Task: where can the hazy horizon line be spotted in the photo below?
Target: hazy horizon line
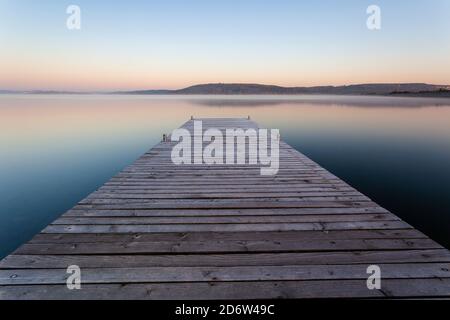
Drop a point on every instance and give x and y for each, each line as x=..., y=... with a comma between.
x=7, y=90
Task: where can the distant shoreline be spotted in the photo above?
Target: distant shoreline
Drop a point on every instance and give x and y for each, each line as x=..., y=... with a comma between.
x=381, y=89
x=424, y=94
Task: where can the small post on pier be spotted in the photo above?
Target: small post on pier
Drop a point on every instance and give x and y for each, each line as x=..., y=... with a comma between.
x=248, y=117
x=192, y=117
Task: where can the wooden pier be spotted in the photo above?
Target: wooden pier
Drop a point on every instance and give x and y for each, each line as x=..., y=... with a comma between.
x=161, y=231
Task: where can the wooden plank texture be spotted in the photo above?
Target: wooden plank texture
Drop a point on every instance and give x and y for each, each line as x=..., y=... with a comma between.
x=163, y=231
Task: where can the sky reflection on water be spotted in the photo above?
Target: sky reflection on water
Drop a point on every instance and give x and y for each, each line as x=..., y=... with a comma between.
x=57, y=149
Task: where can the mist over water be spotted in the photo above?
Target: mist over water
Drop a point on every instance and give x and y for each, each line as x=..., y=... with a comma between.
x=56, y=149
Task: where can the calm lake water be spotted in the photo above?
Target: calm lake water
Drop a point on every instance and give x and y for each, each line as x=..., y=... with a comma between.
x=56, y=149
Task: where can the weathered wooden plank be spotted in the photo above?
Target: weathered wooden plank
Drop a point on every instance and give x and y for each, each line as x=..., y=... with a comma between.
x=143, y=247
x=225, y=227
x=17, y=261
x=102, y=197
x=149, y=183
x=221, y=274
x=222, y=236
x=228, y=219
x=215, y=189
x=220, y=212
x=400, y=288
x=227, y=204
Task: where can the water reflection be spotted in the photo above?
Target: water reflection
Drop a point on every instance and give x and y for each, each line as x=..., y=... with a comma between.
x=57, y=149
x=320, y=100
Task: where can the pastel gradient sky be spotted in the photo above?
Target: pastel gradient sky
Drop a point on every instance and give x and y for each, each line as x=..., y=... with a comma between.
x=177, y=43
